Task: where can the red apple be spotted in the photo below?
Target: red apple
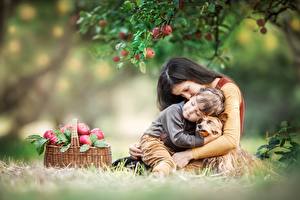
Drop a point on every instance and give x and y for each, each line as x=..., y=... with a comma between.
x=53, y=139
x=260, y=22
x=156, y=33
x=263, y=30
x=137, y=56
x=48, y=134
x=83, y=129
x=167, y=29
x=124, y=53
x=116, y=59
x=66, y=127
x=198, y=35
x=102, y=23
x=85, y=139
x=150, y=53
x=122, y=36
x=98, y=132
x=208, y=36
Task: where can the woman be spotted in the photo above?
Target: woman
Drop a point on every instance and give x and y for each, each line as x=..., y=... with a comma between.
x=180, y=79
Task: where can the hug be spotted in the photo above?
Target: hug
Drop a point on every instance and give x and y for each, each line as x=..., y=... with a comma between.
x=200, y=123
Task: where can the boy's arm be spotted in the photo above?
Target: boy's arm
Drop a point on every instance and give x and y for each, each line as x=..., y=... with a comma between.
x=173, y=122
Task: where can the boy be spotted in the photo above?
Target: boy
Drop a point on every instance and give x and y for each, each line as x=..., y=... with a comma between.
x=175, y=130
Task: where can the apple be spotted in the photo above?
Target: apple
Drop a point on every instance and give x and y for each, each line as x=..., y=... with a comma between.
x=116, y=59
x=66, y=127
x=85, y=139
x=48, y=134
x=124, y=53
x=198, y=35
x=156, y=33
x=83, y=129
x=122, y=36
x=150, y=53
x=208, y=36
x=102, y=23
x=98, y=132
x=53, y=139
x=167, y=29
x=260, y=22
x=137, y=56
x=263, y=30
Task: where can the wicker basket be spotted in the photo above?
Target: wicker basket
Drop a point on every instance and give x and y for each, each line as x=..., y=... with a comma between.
x=95, y=156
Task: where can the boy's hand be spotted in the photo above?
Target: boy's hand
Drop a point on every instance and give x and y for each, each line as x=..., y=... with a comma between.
x=135, y=151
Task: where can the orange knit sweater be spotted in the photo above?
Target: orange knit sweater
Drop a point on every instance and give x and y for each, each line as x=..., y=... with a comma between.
x=233, y=127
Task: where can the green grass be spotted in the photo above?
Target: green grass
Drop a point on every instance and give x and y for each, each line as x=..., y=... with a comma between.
x=30, y=180
x=20, y=180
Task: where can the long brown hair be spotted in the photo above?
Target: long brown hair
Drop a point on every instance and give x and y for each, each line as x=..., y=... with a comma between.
x=178, y=70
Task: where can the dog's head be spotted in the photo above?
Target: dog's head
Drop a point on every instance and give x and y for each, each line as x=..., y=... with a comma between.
x=210, y=125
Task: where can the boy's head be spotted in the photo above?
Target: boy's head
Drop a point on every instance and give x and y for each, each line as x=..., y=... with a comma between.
x=208, y=102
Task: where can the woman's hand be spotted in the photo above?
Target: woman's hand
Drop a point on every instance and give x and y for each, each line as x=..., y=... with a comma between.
x=135, y=151
x=183, y=158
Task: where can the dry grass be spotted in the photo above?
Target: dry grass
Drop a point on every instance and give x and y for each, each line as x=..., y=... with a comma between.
x=20, y=180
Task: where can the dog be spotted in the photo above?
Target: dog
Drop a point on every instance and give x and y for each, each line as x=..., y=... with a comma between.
x=210, y=125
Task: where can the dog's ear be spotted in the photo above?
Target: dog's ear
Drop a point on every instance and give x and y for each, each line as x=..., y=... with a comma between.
x=223, y=117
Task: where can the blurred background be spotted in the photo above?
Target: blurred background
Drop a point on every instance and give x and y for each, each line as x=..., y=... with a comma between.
x=50, y=75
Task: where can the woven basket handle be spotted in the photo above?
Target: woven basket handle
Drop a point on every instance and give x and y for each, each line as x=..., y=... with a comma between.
x=74, y=134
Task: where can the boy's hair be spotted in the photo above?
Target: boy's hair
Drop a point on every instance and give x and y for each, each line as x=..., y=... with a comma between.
x=212, y=100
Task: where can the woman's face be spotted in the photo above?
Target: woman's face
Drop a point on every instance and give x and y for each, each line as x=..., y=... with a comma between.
x=186, y=89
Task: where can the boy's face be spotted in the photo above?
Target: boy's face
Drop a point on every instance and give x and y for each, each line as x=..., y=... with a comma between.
x=191, y=112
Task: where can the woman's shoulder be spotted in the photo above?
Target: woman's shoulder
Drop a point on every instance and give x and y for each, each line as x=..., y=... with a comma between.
x=230, y=89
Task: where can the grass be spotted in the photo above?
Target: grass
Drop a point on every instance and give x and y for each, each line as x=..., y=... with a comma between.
x=30, y=180
x=20, y=180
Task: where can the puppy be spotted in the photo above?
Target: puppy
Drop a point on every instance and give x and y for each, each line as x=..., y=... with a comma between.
x=210, y=125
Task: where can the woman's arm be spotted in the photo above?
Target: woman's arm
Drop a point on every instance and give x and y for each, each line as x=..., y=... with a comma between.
x=231, y=131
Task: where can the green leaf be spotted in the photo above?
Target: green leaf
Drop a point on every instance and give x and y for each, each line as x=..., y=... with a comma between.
x=211, y=8
x=93, y=138
x=100, y=143
x=40, y=145
x=263, y=146
x=33, y=138
x=65, y=148
x=68, y=134
x=84, y=148
x=60, y=137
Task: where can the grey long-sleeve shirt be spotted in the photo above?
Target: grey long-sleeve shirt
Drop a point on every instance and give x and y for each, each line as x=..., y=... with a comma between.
x=179, y=133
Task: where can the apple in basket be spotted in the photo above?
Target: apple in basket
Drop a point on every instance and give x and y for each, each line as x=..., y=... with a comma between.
x=85, y=139
x=83, y=129
x=49, y=134
x=98, y=133
x=66, y=127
